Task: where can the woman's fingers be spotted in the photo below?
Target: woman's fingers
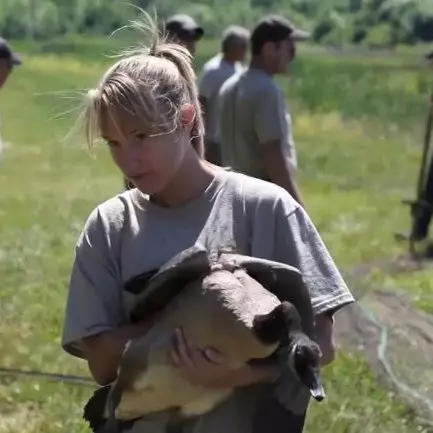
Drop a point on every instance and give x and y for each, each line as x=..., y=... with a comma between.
x=184, y=350
x=174, y=354
x=175, y=357
x=214, y=355
x=192, y=359
x=190, y=349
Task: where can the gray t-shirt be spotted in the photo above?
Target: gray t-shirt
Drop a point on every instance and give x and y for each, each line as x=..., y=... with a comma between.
x=128, y=235
x=215, y=72
x=252, y=111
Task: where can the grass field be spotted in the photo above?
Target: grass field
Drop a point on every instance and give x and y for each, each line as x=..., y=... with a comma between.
x=358, y=128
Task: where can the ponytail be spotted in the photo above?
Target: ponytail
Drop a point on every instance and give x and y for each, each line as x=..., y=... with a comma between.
x=182, y=59
x=146, y=74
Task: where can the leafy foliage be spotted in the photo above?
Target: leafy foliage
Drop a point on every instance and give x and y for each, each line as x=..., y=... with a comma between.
x=371, y=22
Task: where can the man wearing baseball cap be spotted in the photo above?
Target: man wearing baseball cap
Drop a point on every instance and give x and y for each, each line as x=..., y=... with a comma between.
x=185, y=30
x=255, y=127
x=8, y=59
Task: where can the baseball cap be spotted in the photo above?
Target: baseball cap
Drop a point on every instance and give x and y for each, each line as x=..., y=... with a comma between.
x=183, y=26
x=7, y=53
x=275, y=28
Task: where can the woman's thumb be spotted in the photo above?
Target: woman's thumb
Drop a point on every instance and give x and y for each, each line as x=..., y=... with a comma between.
x=214, y=355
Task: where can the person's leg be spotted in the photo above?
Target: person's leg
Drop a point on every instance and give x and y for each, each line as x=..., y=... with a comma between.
x=424, y=210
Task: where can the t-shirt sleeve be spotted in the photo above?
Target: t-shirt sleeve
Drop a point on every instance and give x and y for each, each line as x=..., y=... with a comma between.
x=205, y=86
x=94, y=302
x=298, y=243
x=269, y=116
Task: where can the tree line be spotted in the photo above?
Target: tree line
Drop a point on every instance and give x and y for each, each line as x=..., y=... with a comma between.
x=369, y=22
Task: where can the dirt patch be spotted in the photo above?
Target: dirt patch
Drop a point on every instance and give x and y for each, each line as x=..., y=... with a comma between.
x=393, y=266
x=397, y=341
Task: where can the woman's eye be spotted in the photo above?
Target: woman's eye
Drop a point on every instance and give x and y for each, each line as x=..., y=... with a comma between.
x=140, y=136
x=111, y=144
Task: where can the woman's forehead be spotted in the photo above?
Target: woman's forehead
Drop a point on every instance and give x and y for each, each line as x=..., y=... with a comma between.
x=115, y=122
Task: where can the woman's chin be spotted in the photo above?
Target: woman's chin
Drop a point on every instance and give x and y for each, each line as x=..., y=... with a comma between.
x=148, y=186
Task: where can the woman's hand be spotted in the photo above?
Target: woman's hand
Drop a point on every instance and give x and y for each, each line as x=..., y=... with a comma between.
x=207, y=367
x=104, y=351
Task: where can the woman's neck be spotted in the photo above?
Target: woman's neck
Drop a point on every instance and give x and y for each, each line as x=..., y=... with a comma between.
x=192, y=178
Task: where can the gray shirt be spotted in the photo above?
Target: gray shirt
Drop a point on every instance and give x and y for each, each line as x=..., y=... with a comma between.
x=215, y=72
x=251, y=112
x=129, y=235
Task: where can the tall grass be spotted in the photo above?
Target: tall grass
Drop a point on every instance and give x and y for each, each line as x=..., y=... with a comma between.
x=361, y=90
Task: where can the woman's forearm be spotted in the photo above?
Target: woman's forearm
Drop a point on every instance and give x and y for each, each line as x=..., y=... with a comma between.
x=324, y=336
x=104, y=351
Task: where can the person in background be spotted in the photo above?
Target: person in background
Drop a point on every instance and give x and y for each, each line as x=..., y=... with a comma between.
x=255, y=126
x=216, y=71
x=8, y=60
x=422, y=216
x=184, y=29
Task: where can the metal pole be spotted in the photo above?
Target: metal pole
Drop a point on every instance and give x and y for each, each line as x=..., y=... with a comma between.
x=425, y=159
x=76, y=380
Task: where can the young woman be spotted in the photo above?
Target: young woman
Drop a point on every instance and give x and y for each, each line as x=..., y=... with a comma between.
x=146, y=109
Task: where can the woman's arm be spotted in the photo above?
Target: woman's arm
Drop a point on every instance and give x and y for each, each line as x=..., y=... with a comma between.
x=96, y=323
x=104, y=351
x=298, y=243
x=324, y=336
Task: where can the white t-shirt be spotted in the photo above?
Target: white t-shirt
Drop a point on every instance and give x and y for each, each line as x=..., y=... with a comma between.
x=215, y=72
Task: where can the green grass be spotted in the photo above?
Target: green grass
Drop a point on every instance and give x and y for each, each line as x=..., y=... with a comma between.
x=358, y=127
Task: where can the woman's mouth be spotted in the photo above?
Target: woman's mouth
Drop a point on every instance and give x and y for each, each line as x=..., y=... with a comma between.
x=138, y=177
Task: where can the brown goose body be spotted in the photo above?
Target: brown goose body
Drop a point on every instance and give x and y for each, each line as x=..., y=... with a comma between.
x=219, y=311
x=234, y=303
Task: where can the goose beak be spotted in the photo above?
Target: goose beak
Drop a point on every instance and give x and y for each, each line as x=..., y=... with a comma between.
x=318, y=392
x=311, y=378
x=305, y=362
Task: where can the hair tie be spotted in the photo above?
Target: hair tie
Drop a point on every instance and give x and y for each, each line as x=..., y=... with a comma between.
x=154, y=51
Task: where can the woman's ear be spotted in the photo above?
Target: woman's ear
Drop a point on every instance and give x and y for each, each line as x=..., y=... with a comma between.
x=187, y=115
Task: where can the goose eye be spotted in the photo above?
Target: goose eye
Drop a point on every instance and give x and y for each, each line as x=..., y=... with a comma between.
x=140, y=136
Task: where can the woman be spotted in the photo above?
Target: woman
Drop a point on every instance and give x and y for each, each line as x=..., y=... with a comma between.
x=146, y=109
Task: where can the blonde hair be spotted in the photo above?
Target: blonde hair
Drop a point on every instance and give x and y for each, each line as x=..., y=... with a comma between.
x=150, y=82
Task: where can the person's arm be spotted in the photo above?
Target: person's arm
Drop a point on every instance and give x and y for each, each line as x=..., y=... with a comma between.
x=298, y=243
x=279, y=169
x=205, y=91
x=272, y=129
x=103, y=352
x=324, y=336
x=96, y=327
